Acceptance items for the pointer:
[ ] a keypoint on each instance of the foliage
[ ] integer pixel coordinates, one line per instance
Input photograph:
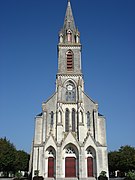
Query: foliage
(7, 156)
(127, 158)
(21, 161)
(12, 160)
(113, 161)
(103, 173)
(130, 175)
(122, 160)
(18, 175)
(102, 176)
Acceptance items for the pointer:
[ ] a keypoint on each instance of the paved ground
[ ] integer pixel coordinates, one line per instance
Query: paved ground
(6, 178)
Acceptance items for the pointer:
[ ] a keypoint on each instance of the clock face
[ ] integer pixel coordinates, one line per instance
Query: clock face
(70, 87)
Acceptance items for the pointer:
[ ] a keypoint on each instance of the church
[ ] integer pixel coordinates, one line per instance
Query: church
(70, 134)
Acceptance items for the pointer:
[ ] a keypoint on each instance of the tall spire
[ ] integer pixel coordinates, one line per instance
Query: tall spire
(69, 19)
(69, 34)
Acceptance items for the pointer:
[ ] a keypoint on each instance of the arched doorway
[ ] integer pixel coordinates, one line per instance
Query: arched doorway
(90, 166)
(71, 161)
(51, 162)
(50, 167)
(70, 167)
(91, 162)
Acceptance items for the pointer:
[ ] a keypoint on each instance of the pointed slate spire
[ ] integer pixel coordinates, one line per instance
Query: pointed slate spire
(69, 33)
(69, 19)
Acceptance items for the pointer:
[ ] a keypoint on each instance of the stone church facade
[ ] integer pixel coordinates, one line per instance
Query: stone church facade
(70, 133)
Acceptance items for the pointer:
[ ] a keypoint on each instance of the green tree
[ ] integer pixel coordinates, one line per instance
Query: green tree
(122, 160)
(127, 158)
(103, 176)
(12, 160)
(7, 156)
(21, 161)
(113, 162)
(130, 175)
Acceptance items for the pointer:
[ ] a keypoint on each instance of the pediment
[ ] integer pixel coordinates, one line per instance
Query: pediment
(70, 139)
(50, 142)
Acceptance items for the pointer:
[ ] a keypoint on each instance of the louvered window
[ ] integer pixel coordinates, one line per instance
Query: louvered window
(69, 61)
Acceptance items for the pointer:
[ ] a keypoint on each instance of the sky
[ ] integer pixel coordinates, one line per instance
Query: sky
(28, 63)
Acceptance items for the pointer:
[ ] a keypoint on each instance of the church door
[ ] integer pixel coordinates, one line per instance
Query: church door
(90, 166)
(50, 167)
(70, 167)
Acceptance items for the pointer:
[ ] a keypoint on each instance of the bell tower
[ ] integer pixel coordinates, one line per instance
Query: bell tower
(69, 47)
(69, 80)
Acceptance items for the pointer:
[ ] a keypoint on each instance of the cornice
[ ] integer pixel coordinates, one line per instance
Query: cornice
(69, 75)
(67, 46)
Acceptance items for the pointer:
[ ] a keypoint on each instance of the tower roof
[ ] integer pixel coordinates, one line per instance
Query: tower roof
(69, 19)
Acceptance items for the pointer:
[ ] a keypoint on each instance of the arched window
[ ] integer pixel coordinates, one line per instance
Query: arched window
(69, 36)
(73, 120)
(52, 114)
(70, 92)
(70, 150)
(81, 115)
(60, 117)
(94, 133)
(69, 61)
(67, 120)
(88, 119)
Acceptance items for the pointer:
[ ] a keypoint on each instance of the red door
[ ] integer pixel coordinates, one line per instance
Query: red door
(50, 167)
(70, 167)
(90, 166)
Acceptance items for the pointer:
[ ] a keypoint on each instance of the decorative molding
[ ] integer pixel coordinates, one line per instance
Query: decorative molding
(69, 75)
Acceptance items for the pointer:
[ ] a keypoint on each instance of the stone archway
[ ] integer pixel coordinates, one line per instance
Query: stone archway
(91, 162)
(71, 161)
(51, 154)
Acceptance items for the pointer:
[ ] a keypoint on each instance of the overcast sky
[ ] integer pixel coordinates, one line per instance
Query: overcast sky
(28, 63)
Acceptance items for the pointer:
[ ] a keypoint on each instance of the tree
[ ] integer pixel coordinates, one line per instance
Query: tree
(113, 162)
(103, 176)
(130, 175)
(12, 160)
(7, 156)
(127, 158)
(122, 160)
(21, 161)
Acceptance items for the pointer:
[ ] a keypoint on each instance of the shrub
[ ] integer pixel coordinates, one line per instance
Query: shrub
(103, 176)
(130, 175)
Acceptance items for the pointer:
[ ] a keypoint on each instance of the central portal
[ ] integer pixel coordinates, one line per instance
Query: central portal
(70, 167)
